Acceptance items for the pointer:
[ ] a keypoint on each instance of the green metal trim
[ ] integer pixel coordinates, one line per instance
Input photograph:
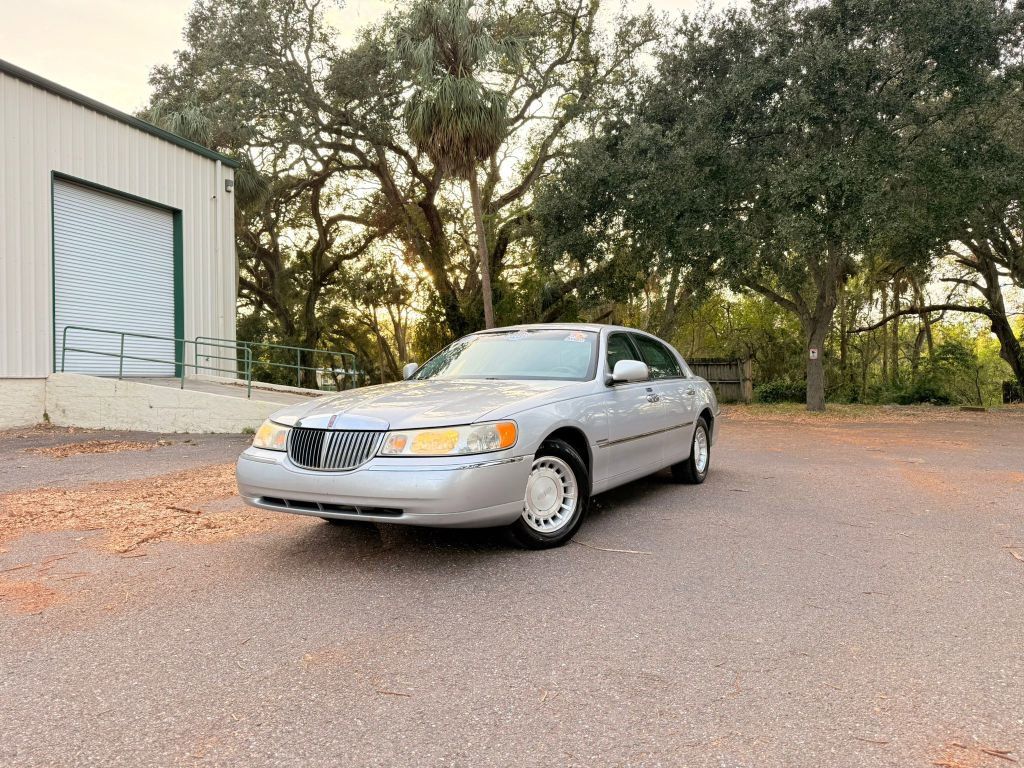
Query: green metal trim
(53, 278)
(179, 292)
(59, 90)
(58, 175)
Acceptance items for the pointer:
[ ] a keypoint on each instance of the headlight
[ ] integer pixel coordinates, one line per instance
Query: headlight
(451, 441)
(273, 437)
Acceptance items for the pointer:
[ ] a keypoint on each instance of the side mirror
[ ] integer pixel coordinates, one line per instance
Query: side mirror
(409, 369)
(630, 370)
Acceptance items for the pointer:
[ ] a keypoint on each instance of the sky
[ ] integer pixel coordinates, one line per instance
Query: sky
(105, 48)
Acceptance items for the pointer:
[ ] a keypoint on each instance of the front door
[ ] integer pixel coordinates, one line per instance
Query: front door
(636, 417)
(676, 393)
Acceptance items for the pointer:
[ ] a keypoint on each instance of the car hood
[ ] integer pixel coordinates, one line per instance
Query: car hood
(414, 404)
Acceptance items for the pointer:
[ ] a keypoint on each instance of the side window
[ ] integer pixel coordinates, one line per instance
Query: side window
(659, 359)
(620, 348)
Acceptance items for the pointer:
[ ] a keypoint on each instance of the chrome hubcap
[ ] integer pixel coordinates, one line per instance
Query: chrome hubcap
(551, 494)
(700, 449)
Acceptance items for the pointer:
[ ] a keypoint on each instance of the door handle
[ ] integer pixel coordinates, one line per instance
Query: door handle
(690, 390)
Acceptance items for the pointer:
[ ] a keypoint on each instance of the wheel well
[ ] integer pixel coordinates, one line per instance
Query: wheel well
(710, 419)
(576, 439)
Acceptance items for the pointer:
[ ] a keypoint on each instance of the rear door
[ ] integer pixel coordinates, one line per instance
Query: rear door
(635, 418)
(676, 394)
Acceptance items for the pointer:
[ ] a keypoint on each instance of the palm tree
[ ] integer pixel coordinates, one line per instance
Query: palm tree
(452, 116)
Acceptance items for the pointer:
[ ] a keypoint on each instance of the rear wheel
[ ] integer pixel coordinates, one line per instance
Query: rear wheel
(694, 469)
(556, 499)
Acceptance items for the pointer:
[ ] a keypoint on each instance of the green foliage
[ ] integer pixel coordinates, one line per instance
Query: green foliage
(775, 148)
(452, 116)
(787, 174)
(781, 391)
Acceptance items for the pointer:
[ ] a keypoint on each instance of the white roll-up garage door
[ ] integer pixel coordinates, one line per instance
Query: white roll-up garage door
(113, 270)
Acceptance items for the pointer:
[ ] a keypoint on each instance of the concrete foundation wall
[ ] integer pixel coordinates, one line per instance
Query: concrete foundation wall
(74, 400)
(22, 402)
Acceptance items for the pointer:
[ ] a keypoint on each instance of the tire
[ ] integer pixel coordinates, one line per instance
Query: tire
(690, 471)
(556, 498)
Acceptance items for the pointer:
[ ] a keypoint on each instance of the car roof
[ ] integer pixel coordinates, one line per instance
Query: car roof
(595, 327)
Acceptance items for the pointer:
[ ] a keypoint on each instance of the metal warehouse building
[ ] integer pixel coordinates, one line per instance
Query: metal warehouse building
(106, 222)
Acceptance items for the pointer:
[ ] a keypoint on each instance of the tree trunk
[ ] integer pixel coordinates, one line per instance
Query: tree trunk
(844, 342)
(816, 330)
(433, 249)
(915, 359)
(1010, 348)
(884, 303)
(896, 290)
(1009, 345)
(481, 246)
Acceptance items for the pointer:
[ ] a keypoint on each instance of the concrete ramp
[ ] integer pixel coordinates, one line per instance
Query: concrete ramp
(205, 405)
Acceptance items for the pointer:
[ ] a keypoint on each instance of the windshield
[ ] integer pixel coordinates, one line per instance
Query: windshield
(522, 354)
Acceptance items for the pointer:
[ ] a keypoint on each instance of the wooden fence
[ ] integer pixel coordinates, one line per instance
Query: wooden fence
(731, 379)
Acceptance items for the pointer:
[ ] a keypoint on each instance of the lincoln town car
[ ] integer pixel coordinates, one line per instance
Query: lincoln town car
(516, 427)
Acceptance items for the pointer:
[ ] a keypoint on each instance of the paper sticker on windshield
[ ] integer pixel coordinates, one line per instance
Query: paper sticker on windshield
(518, 336)
(577, 336)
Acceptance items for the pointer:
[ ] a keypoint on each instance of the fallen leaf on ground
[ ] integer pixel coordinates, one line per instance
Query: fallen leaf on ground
(91, 446)
(26, 597)
(136, 512)
(611, 549)
(959, 755)
(862, 414)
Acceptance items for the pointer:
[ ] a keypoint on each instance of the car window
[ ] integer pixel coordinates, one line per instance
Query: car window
(659, 358)
(620, 348)
(541, 353)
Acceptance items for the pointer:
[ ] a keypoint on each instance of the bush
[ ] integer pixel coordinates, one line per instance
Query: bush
(925, 390)
(781, 391)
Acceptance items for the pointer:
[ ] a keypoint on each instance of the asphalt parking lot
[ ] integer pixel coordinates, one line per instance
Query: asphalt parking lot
(837, 594)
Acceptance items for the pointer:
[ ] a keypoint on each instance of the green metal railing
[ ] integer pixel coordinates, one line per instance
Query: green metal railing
(239, 358)
(283, 352)
(180, 347)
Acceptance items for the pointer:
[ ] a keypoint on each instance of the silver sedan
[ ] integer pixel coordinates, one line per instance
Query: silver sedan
(514, 427)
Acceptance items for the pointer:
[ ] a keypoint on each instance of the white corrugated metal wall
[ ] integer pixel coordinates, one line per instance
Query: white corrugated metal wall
(41, 134)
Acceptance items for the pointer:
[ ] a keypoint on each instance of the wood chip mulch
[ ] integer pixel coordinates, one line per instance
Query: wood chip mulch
(133, 513)
(27, 596)
(92, 446)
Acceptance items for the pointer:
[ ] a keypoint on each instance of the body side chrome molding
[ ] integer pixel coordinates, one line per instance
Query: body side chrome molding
(609, 443)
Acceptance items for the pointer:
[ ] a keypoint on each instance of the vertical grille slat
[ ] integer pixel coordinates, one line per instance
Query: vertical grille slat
(337, 441)
(347, 453)
(360, 444)
(343, 449)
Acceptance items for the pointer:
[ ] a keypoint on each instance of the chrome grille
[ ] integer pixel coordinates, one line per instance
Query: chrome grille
(329, 449)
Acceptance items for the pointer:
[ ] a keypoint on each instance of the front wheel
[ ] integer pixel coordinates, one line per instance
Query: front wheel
(694, 469)
(556, 499)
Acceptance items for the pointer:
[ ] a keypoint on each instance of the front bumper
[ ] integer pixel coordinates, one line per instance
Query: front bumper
(467, 492)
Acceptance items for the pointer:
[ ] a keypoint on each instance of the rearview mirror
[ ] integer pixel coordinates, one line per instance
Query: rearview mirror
(630, 370)
(409, 369)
